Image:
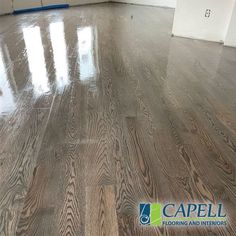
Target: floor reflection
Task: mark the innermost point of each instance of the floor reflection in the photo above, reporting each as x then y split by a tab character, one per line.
57	36
36	60
7	103
87	55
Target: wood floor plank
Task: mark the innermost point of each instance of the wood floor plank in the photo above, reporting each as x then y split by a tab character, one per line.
106	111
54	203
61	152
101	216
18	160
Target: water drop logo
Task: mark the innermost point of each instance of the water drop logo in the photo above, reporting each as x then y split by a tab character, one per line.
150	214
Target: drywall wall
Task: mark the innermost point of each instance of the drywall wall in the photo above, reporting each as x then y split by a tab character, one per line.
230	39
24	4
161	3
5	7
190	20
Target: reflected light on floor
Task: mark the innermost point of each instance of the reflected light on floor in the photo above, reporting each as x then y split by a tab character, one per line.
57	36
86	53
7	103
35	53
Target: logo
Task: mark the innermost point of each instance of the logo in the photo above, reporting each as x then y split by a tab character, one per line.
190	214
150	214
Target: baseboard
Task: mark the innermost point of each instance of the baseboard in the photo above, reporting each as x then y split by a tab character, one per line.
5	13
197	38
43	8
156	3
231	45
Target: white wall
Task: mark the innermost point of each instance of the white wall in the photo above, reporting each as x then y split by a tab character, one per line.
190	20
230	39
81	2
23	4
161	3
5	6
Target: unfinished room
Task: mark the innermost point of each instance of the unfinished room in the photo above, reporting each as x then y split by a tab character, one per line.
118	118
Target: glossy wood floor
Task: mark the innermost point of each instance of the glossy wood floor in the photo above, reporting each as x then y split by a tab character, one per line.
101	109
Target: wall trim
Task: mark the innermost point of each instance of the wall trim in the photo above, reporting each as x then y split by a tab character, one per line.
154	3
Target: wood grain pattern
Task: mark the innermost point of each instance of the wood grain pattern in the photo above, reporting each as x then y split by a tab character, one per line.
18	159
102	219
119	113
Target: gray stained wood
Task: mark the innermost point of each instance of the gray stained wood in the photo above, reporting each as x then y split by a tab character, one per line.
101	109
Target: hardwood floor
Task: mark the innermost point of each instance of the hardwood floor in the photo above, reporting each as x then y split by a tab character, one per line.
101	109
